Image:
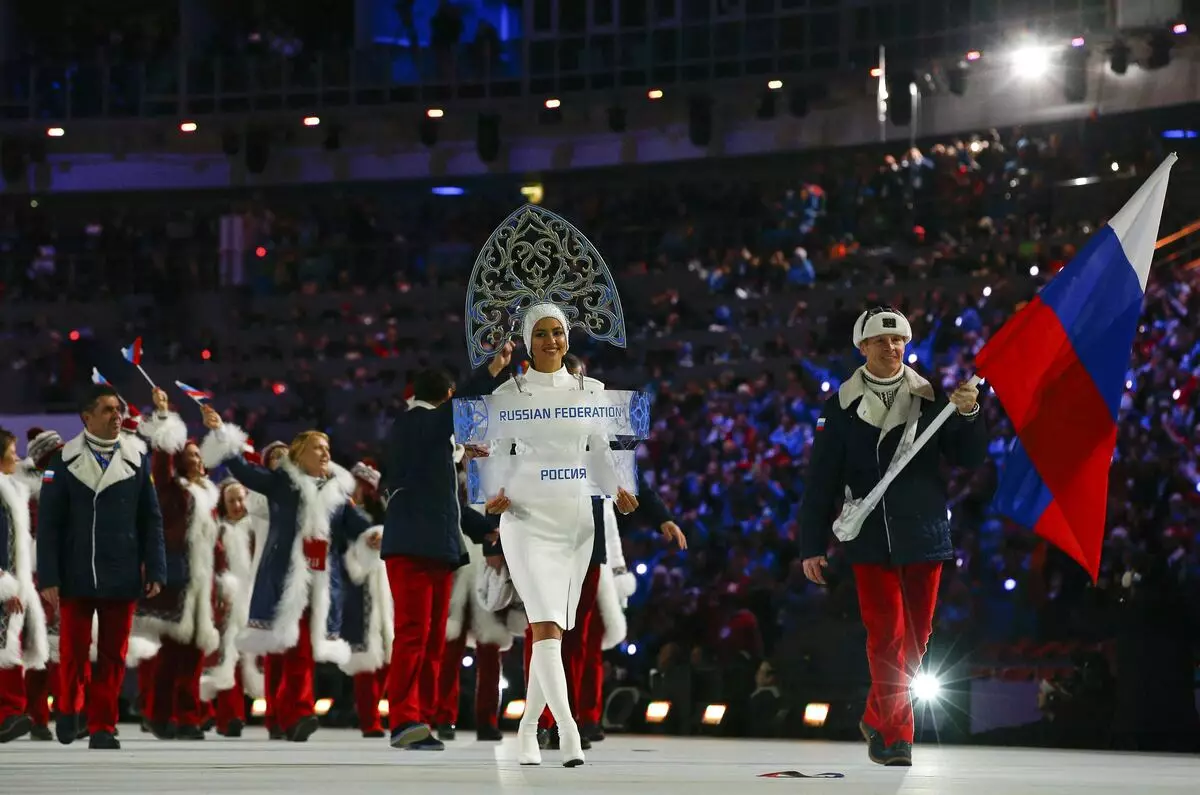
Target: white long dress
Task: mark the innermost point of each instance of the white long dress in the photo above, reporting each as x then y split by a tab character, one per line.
548	545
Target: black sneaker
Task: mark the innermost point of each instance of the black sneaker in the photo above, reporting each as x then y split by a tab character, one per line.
66	728
163	731
430	743
41	734
234	729
104	741
553	743
592	733
409	733
303	729
15	726
445	732
898	754
276	734
868	733
489	734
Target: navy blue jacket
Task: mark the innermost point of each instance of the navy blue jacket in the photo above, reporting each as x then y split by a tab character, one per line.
97	529
425	517
909	525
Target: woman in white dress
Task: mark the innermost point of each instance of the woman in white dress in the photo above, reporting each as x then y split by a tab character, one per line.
548	544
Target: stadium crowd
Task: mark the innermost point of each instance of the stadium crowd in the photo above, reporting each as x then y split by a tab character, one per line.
768	273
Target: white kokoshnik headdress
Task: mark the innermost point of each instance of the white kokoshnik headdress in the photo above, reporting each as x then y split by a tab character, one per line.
536	260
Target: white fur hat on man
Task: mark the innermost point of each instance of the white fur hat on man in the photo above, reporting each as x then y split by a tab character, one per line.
880	321
536	313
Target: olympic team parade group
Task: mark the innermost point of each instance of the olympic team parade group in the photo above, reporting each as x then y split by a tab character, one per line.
493	514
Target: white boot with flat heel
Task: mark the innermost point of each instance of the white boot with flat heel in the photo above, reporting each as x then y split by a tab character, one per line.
528	750
547	662
571	743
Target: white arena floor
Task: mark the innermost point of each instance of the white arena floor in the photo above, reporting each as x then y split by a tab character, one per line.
340	762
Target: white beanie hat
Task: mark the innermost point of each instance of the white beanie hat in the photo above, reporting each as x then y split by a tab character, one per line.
536	313
880	321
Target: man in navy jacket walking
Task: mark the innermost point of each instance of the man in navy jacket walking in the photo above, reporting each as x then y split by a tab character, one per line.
422	544
897	555
100	547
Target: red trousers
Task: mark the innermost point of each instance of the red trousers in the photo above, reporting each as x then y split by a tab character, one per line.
12	692
421	595
39	687
572	645
115	620
294	671
591	684
177	685
145	678
272	676
230	705
897	604
487	683
369	687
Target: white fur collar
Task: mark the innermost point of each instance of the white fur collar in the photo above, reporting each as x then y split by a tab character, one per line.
318	499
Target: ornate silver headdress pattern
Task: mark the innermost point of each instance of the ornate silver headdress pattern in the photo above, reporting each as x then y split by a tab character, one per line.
536	256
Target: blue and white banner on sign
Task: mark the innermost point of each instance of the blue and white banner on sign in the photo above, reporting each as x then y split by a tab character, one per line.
541	478
556	415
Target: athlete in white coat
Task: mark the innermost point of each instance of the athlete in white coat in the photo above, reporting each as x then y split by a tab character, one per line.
548	544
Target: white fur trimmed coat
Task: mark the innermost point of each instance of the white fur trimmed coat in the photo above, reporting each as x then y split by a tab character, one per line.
368	613
23	638
183	611
306	515
242	543
486	627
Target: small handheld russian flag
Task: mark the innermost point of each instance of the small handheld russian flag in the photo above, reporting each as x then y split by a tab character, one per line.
133	355
99	379
198	395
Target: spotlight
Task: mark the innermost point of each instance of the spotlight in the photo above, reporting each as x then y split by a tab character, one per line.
259	707
774	85
974	55
551	104
1119	57
514	709
877	72
312	121
713	715
816	714
1031	63
323	706
468	661
654	93
1078	41
1010	584
912	358
187	127
1179	28
384	707
435	113
1160	51
657	711
56	132
926	687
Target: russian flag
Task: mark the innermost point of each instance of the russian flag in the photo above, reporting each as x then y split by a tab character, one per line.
133	354
99	379
1058	368
198	395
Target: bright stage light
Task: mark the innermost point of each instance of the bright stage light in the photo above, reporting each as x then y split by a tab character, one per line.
323	706
1031	63
657	711
926	687
713	715
514	709
384	708
816	714
259	707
